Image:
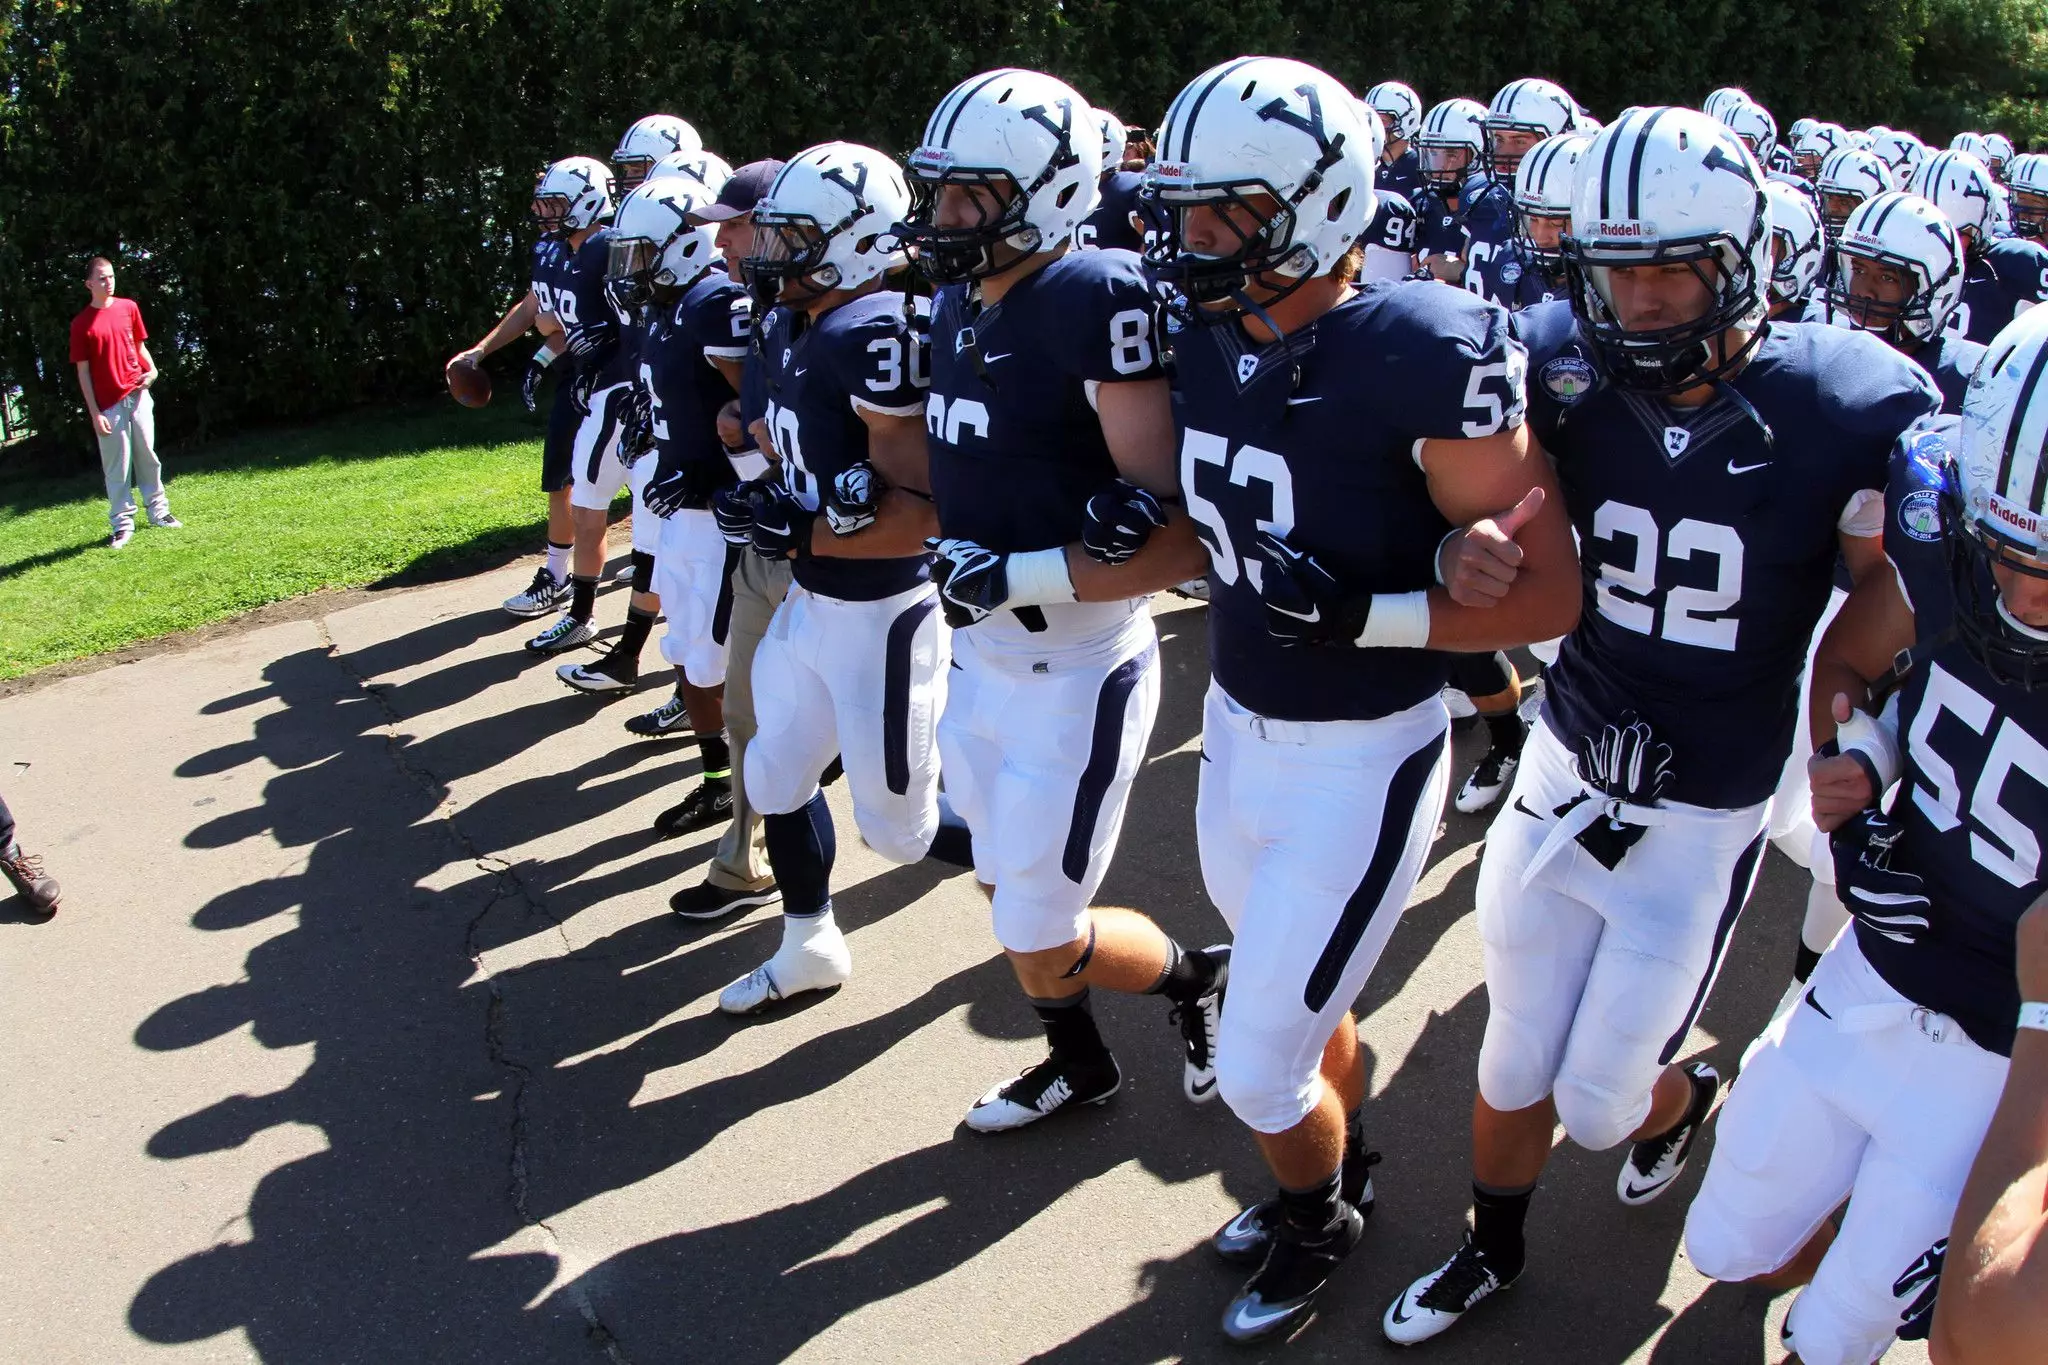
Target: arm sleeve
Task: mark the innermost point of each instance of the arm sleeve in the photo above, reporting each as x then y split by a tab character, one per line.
1110	308
1464	377
883	365
727	324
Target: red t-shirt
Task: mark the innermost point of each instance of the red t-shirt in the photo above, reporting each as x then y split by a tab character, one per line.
110	340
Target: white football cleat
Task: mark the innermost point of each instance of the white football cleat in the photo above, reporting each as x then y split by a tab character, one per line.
813	957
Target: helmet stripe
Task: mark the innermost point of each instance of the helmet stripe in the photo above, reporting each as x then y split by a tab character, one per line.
2020	408
967	92
1635	168
1187	138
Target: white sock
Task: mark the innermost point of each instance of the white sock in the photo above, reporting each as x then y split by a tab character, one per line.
558	562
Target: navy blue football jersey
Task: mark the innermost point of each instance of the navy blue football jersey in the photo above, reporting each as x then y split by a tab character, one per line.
1707	548
1327	464
1109	227
1973	794
588	314
550	275
1438	229
1510	276
685	389
1950	360
1016	447
1389	239
819	373
1402	176
2010	273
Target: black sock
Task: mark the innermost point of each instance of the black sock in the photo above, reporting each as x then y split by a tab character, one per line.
583	596
1497	1218
1190	974
1803	963
801	847
682	680
717	757
1069	1024
1314	1211
1505	733
634	636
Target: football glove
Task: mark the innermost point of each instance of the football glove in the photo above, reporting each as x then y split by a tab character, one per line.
692	485
781	525
854	497
1879	896
636	425
1922	1280
580	389
1121	518
972	581
529	382
1628	764
733	509
1304	604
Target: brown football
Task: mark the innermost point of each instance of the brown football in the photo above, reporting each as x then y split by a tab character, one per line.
468	383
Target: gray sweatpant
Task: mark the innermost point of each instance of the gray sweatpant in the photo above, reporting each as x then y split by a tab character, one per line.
128	455
758	587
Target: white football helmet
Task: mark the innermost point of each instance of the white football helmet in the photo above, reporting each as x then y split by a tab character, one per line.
1901	232
2026	176
1115	137
1995	504
648	141
1960	186
1533	107
2000	147
1260	125
1815	144
1858	139
1752	123
1399	108
573	194
1718	102
1026	148
653	246
1667	186
708	169
1900	151
1799	248
827	222
1973	143
1452	127
1544	185
1799	129
1849	177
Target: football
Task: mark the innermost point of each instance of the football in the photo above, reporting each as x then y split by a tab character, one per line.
468	382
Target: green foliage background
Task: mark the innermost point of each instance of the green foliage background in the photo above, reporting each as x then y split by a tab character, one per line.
315	203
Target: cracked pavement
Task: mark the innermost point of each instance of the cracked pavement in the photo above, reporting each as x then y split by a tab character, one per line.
364	1034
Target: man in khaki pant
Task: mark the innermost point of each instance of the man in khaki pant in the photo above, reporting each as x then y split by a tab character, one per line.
115	371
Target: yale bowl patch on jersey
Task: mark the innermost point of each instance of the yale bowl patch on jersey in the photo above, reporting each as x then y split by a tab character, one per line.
1920	514
1567	378
1511	272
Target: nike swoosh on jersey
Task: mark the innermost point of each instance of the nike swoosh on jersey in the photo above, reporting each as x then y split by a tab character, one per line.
1297	402
1734	468
1000	355
1309	619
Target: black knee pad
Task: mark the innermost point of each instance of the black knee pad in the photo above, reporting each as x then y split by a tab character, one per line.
643	571
1087	954
1481	675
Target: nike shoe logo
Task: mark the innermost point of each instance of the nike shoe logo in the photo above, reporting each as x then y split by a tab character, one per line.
1638	1191
1204	1087
1399	1304
1248	1316
1734	468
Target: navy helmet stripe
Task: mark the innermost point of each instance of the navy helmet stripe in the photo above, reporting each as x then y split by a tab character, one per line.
2017	421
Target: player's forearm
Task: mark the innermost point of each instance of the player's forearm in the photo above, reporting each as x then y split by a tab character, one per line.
902	523
1996	1276
1543	604
1832	676
517	319
1172	555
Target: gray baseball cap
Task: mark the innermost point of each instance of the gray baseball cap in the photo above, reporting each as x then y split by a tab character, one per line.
741	193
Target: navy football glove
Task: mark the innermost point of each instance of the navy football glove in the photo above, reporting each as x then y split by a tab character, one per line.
972	580
529	383
580	389
733	509
692	485
781	525
1922	1280
854	497
1304	604
1121	518
1880	897
636	425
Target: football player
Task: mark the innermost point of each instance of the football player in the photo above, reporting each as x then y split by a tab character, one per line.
1973	144
854	662
1901	152
1389	246
1799	250
1115	222
2006	276
2027	177
647	142
1326	632
1720	102
1814	146
1049	416
1451	148
1529	267
1710	474
707	168
1523	113
1849	177
1400	111
1753	123
1899	273
1878	1086
1998	154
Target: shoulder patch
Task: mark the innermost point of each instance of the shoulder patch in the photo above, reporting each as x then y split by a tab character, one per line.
1566	378
1920	514
1511	272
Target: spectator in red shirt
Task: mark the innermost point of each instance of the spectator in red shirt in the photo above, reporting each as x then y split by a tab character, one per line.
115	371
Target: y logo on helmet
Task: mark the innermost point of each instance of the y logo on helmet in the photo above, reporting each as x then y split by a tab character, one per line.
1063	130
857	188
1310	123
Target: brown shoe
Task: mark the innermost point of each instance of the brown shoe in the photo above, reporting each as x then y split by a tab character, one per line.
38	888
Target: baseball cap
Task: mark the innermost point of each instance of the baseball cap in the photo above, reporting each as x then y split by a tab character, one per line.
741	193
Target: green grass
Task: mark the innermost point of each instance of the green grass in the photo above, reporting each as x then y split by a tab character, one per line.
267	516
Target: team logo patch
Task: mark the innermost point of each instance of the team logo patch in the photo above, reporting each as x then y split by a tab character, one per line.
1511	272
1247	366
1676	439
1920	514
1567	378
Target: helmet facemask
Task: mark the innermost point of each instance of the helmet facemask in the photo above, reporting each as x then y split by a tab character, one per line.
998	238
551	214
2030	213
1542	236
786	263
1502	162
2011	653
1909	320
630	173
1681	355
1446	166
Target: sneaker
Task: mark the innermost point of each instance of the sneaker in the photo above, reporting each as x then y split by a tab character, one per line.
615	674
167	522
1054	1084
709	803
36	886
1244	1239
1195	590
623	571
1282	1293
1488	780
669	718
1655	1162
566	633
122	535
813	957
707	902
1198	1024
542	596
1444	1295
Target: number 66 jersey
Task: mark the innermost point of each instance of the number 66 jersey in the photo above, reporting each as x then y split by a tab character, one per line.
1708	538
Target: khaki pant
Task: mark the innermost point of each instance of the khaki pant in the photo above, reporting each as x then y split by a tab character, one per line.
128	455
758	587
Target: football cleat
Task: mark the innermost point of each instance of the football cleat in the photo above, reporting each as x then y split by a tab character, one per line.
1282	1293
613	675
1490	777
122	535
1195	589
813	957
1054	1084
1440	1298
1243	1240
668	719
1198	1024
167	522
705	901
1655	1162
566	633
709	803
542	596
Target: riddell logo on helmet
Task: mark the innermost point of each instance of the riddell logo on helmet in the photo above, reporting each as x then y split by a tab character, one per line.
1170	173
1621	230
2016	518
931	160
